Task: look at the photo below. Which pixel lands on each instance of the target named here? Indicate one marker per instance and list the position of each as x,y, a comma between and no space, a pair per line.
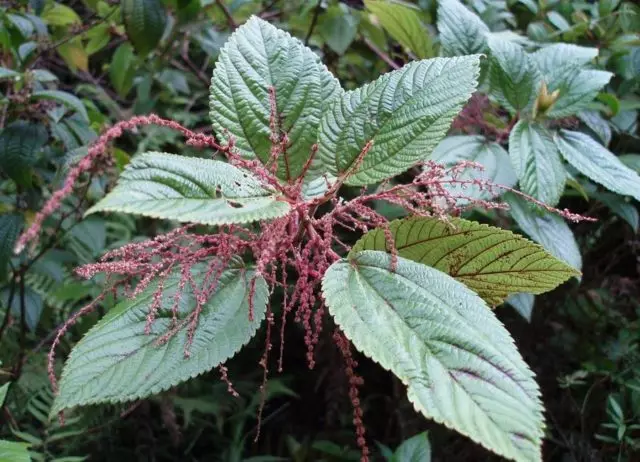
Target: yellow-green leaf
492,261
402,21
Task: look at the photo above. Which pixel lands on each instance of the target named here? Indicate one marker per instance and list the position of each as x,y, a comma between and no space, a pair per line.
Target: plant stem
314,21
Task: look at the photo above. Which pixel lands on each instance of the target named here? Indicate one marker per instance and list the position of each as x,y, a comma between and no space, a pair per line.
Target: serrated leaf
562,68
598,124
547,229
19,144
536,161
460,365
414,449
513,76
404,114
11,451
475,148
116,362
597,163
491,261
402,21
190,190
462,32
577,89
256,57
67,99
523,304
144,21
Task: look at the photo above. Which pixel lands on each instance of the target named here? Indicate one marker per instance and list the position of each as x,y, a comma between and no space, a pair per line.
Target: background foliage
70,69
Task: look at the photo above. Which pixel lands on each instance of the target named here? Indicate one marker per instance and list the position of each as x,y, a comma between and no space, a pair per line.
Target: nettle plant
414,294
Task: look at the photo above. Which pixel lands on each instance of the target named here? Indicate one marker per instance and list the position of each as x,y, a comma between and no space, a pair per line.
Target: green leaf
547,229
414,449
3,393
618,205
122,69
522,303
404,114
33,306
558,21
61,15
536,161
10,225
551,57
144,21
11,451
402,21
257,57
597,163
598,124
192,190
461,31
19,144
631,160
67,99
117,362
514,77
8,73
338,27
491,261
577,89
459,363
43,75
475,148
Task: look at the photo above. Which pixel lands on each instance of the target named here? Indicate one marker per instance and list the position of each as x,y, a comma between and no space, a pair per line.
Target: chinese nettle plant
265,230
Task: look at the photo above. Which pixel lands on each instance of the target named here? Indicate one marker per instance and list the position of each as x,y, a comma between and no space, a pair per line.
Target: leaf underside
116,362
459,363
598,163
190,190
491,261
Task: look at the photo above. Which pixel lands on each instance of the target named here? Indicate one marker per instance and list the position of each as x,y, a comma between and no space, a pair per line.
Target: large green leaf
459,363
144,21
596,162
536,161
191,190
514,77
404,114
547,229
492,261
553,57
475,148
462,32
117,362
19,144
256,58
402,21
